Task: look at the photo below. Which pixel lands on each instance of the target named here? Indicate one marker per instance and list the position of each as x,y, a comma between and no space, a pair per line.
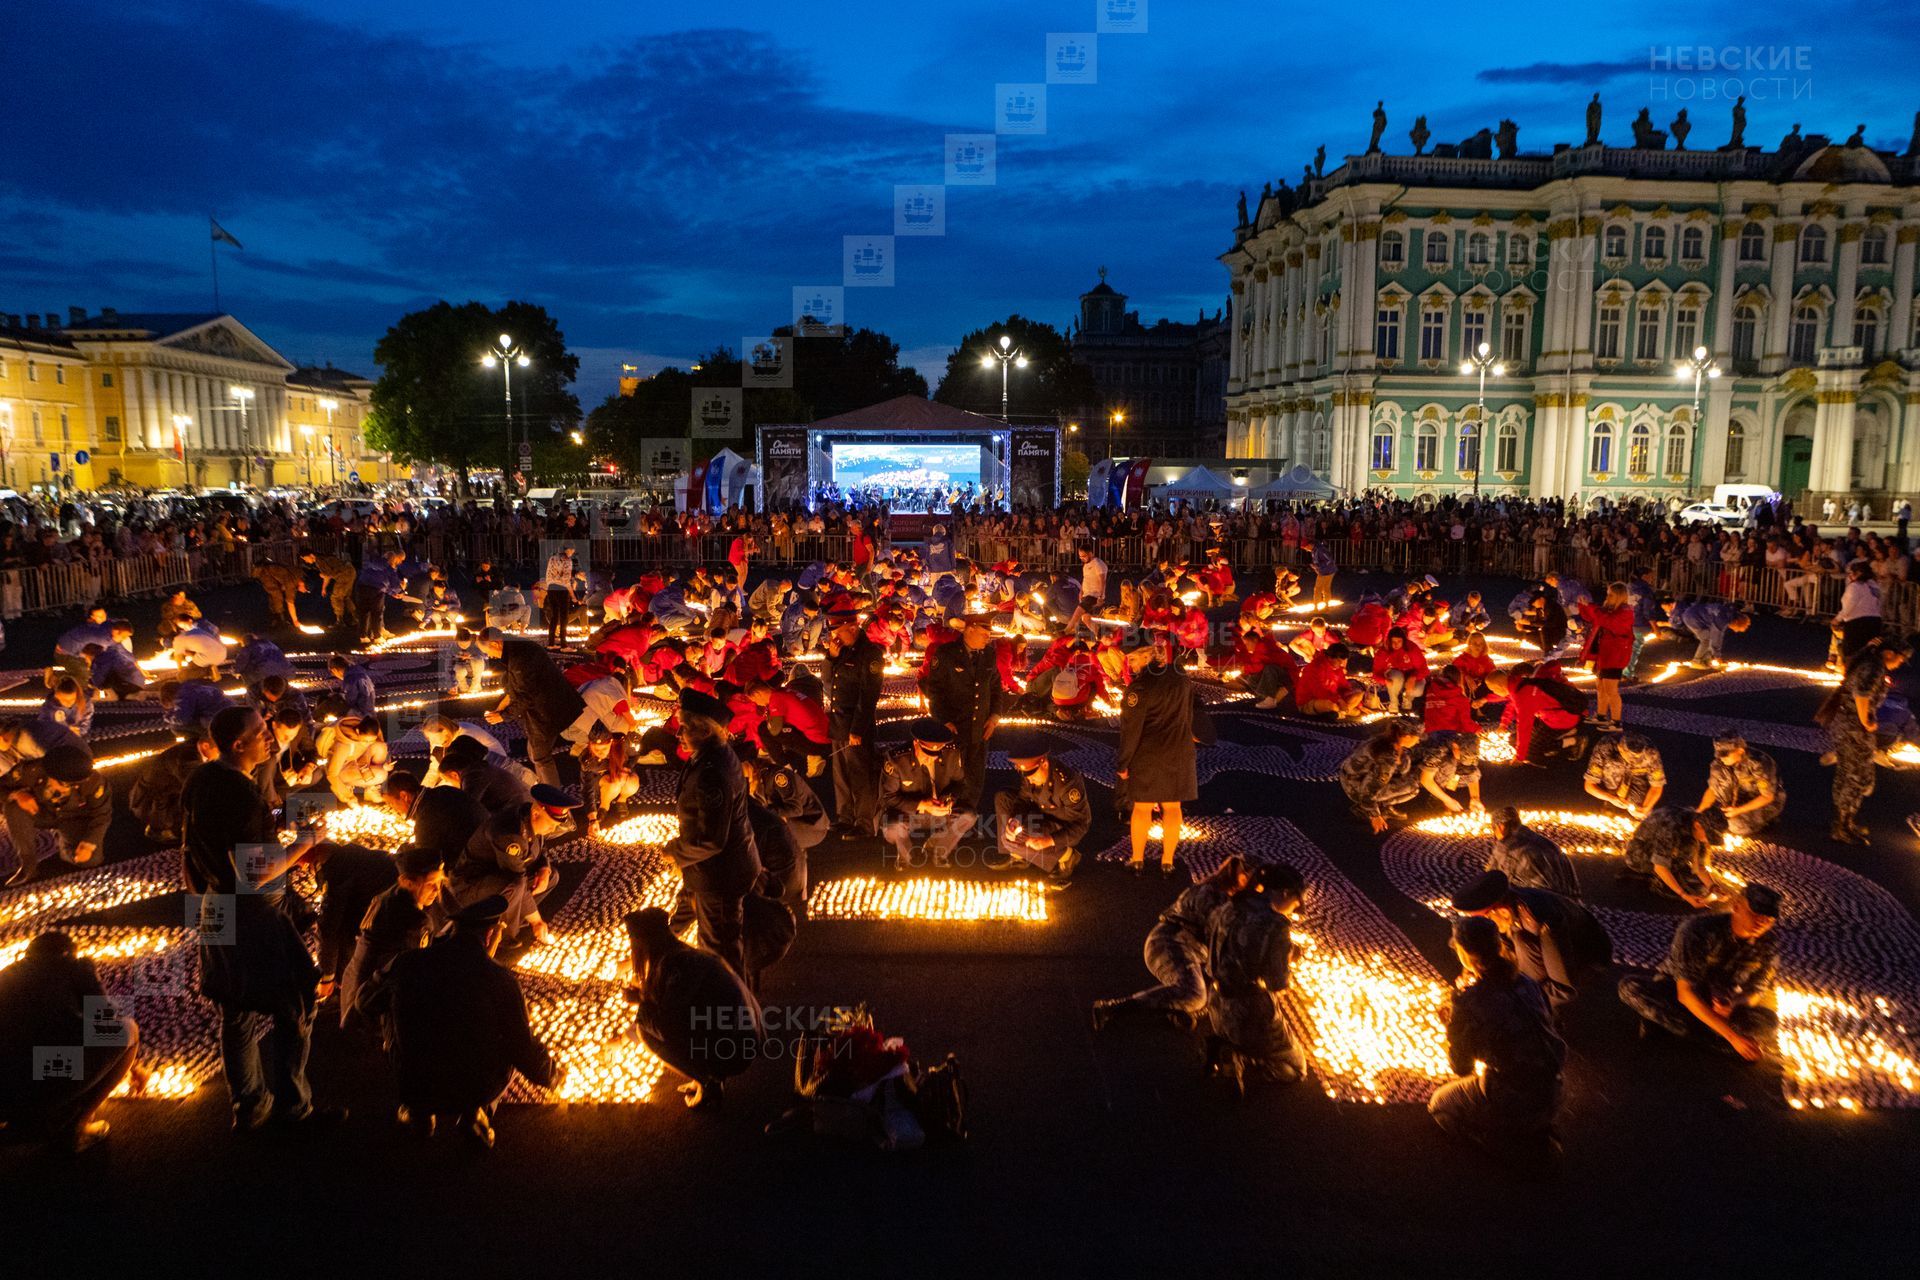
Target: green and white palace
1593,274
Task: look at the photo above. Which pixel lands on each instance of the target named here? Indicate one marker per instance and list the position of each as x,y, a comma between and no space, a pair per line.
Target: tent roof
1199,480
909,413
1297,483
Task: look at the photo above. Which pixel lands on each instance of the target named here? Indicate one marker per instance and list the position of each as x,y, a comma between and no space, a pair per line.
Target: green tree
837,373
1051,387
1074,468
436,402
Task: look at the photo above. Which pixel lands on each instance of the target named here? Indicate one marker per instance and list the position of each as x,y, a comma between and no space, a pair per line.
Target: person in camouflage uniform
1718,976
1745,784
1378,777
1671,848
1498,1019
1626,772
1852,728
1249,947
1555,941
1448,762
1176,952
1528,859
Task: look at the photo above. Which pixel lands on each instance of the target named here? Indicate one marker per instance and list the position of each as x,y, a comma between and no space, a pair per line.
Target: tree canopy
1051,387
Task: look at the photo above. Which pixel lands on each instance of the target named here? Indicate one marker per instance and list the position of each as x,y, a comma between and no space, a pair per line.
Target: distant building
169,398
1593,273
1170,379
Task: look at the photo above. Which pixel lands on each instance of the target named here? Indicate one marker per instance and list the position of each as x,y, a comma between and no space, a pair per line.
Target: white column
1900,321
1833,439
1846,282
1236,312
1726,251
1786,247
1716,409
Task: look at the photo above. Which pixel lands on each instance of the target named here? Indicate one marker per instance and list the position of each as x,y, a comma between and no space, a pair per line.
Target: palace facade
1592,275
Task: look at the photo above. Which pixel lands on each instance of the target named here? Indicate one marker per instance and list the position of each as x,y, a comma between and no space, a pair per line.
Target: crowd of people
760,684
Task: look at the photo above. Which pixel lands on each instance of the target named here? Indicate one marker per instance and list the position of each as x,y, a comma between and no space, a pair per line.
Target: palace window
1873,247
1606,337
1866,331
1646,333
1426,446
1382,446
1433,334
1473,332
1804,338
1519,250
1736,451
1693,244
66,431
1386,333
1813,246
1753,243
1479,249
1676,450
112,429
33,372
1686,330
38,437
60,375
1746,325
1613,242
1601,457
1436,248
1653,244
106,379
1326,339
1640,452
1322,447
1393,249
1467,454
1506,449
1513,334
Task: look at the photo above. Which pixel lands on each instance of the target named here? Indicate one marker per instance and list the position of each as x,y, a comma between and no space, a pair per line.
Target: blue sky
661,182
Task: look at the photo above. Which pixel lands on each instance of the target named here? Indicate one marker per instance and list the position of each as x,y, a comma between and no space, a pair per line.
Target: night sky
662,184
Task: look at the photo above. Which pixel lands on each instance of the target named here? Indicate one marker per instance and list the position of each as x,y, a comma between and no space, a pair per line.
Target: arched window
1753,243
1746,325
1613,242
1653,244
1479,249
1866,331
1873,247
1382,445
1736,450
1436,248
1393,249
1426,446
1640,452
1813,246
1506,448
1804,338
1322,445
1601,458
1519,249
1467,450
1676,462
1693,244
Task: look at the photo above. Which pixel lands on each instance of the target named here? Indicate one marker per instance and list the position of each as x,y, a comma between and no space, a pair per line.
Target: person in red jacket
1368,629
1400,668
1448,708
757,659
1323,688
1610,649
795,730
1189,627
1260,666
1480,676
628,641
1542,693
1262,607
1313,639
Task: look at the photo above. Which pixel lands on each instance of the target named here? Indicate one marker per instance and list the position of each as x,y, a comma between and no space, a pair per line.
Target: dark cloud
1580,73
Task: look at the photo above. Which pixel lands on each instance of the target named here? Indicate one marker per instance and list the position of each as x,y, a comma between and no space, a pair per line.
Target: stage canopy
1198,484
1299,484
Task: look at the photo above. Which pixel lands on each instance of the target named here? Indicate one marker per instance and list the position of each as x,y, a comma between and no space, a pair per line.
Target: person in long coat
691,1009
1160,721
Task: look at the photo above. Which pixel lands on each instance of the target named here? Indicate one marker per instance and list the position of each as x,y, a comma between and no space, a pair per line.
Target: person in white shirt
200,646
1857,623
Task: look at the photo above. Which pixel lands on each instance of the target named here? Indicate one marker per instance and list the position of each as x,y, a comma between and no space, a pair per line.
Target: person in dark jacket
1500,1019
60,792
467,764
856,668
1528,859
459,1027
1249,951
1176,952
508,856
714,851
155,795
965,693
282,584
1554,940
378,579
336,583
444,818
537,695
55,1070
1160,721
923,792
1045,817
690,1008
350,877
393,923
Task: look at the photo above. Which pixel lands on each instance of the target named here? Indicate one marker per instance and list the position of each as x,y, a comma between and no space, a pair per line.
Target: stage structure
913,452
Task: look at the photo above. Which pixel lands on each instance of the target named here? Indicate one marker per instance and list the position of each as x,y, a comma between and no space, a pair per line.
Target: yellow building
169,399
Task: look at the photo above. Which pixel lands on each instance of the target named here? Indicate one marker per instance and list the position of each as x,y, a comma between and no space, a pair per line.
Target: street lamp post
244,396
329,404
181,422
1114,419
506,355
1697,366
1483,363
1004,355
306,429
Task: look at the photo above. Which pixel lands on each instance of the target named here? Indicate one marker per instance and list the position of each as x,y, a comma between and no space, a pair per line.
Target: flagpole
213,256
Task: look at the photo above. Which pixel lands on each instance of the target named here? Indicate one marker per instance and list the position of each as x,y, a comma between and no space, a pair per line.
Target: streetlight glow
1700,366
505,356
1483,363
1006,354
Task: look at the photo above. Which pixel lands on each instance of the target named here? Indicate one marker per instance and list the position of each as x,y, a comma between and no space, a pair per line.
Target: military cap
1027,757
1763,901
462,752
931,732
555,801
695,703
1482,893
484,913
69,764
417,862
1725,745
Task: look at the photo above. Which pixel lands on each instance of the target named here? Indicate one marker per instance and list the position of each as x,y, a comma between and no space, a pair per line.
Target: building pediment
226,339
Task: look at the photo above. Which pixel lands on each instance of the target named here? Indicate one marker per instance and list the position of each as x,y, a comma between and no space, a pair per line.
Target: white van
1742,496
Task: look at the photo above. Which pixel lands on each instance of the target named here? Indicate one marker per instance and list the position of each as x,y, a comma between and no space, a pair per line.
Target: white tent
1199,484
1299,483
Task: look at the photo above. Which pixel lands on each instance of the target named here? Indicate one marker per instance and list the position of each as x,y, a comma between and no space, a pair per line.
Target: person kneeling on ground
50,1085
1554,940
1176,953
690,1008
1044,819
1378,777
1718,977
1502,1046
1249,947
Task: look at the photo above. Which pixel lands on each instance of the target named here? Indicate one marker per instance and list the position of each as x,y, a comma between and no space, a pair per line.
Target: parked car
1712,513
